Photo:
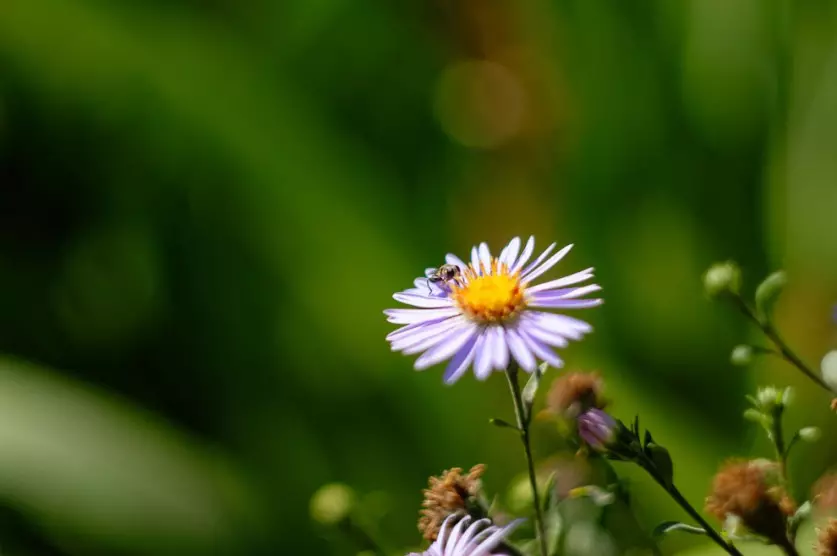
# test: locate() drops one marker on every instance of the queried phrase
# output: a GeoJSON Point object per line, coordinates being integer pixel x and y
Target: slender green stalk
{"type": "Point", "coordinates": [689, 509]}
{"type": "Point", "coordinates": [777, 436]}
{"type": "Point", "coordinates": [523, 428]}
{"type": "Point", "coordinates": [784, 350]}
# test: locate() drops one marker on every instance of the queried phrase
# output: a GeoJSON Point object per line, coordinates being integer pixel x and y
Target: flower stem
{"type": "Point", "coordinates": [523, 426]}
{"type": "Point", "coordinates": [784, 350]}
{"type": "Point", "coordinates": [693, 513]}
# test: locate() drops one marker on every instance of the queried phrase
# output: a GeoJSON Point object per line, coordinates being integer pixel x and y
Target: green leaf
{"type": "Point", "coordinates": [754, 415]}
{"type": "Point", "coordinates": [768, 293]}
{"type": "Point", "coordinates": [667, 527]}
{"type": "Point", "coordinates": [662, 462]}
{"type": "Point", "coordinates": [550, 493]}
{"type": "Point", "coordinates": [531, 389]}
{"type": "Point", "coordinates": [499, 423]}
{"type": "Point", "coordinates": [554, 526]}
{"type": "Point", "coordinates": [803, 513]}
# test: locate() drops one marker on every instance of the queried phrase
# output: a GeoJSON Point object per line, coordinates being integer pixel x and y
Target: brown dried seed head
{"type": "Point", "coordinates": [447, 494]}
{"type": "Point", "coordinates": [571, 393]}
{"type": "Point", "coordinates": [826, 544]}
{"type": "Point", "coordinates": [744, 489]}
{"type": "Point", "coordinates": [824, 493]}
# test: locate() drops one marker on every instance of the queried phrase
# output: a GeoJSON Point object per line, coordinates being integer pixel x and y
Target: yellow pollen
{"type": "Point", "coordinates": [494, 297]}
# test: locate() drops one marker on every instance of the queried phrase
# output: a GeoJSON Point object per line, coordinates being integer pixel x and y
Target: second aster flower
{"type": "Point", "coordinates": [488, 311]}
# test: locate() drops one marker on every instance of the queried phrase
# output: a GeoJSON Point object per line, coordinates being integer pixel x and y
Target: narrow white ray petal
{"type": "Point", "coordinates": [462, 360]}
{"type": "Point", "coordinates": [498, 535]}
{"type": "Point", "coordinates": [580, 276]}
{"type": "Point", "coordinates": [501, 350]}
{"type": "Point", "coordinates": [552, 261]}
{"type": "Point", "coordinates": [423, 300]}
{"type": "Point", "coordinates": [450, 258]}
{"type": "Point", "coordinates": [547, 336]}
{"type": "Point", "coordinates": [425, 338]}
{"type": "Point", "coordinates": [510, 252]}
{"type": "Point", "coordinates": [475, 259]}
{"type": "Point", "coordinates": [565, 293]}
{"type": "Point", "coordinates": [538, 261]}
{"type": "Point", "coordinates": [483, 357]}
{"type": "Point", "coordinates": [527, 252]}
{"type": "Point", "coordinates": [520, 351]}
{"type": "Point", "coordinates": [559, 303]}
{"type": "Point", "coordinates": [408, 316]}
{"type": "Point", "coordinates": [543, 352]}
{"type": "Point", "coordinates": [445, 349]}
{"type": "Point", "coordinates": [410, 328]}
{"type": "Point", "coordinates": [485, 257]}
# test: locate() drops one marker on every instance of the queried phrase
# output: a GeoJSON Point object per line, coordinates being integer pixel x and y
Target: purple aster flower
{"type": "Point", "coordinates": [483, 312]}
{"type": "Point", "coordinates": [597, 429]}
{"type": "Point", "coordinates": [462, 536]}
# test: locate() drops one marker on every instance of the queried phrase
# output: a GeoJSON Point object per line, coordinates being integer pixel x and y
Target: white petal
{"type": "Point", "coordinates": [426, 338]}
{"type": "Point", "coordinates": [541, 351]}
{"type": "Point", "coordinates": [552, 261]}
{"type": "Point", "coordinates": [461, 361]}
{"type": "Point", "coordinates": [527, 252]}
{"type": "Point", "coordinates": [561, 324]}
{"type": "Point", "coordinates": [445, 349]}
{"type": "Point", "coordinates": [565, 281]}
{"type": "Point", "coordinates": [408, 316]}
{"type": "Point", "coordinates": [501, 350]}
{"type": "Point", "coordinates": [482, 358]}
{"type": "Point", "coordinates": [546, 336]}
{"type": "Point", "coordinates": [510, 252]}
{"type": "Point", "coordinates": [423, 300]}
{"type": "Point", "coordinates": [475, 259]}
{"type": "Point", "coordinates": [537, 261]}
{"type": "Point", "coordinates": [485, 257]}
{"type": "Point", "coordinates": [520, 351]}
{"type": "Point", "coordinates": [450, 258]}
{"type": "Point", "coordinates": [496, 538]}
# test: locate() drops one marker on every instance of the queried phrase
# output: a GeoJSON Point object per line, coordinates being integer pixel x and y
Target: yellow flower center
{"type": "Point", "coordinates": [494, 297]}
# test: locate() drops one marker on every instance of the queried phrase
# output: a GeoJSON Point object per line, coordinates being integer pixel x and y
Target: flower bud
{"type": "Point", "coordinates": [722, 278]}
{"type": "Point", "coordinates": [597, 429]}
{"type": "Point", "coordinates": [828, 369]}
{"type": "Point", "coordinates": [742, 355]}
{"type": "Point", "coordinates": [768, 293]}
{"type": "Point", "coordinates": [810, 434]}
{"type": "Point", "coordinates": [332, 503]}
{"type": "Point", "coordinates": [768, 397]}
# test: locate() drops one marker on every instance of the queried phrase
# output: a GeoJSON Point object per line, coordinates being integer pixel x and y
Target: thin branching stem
{"type": "Point", "coordinates": [784, 350]}
{"type": "Point", "coordinates": [523, 426]}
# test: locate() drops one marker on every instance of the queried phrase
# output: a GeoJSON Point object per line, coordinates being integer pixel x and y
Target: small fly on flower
{"type": "Point", "coordinates": [445, 273]}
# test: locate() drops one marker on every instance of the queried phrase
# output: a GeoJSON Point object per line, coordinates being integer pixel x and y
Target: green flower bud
{"type": "Point", "coordinates": [810, 434]}
{"type": "Point", "coordinates": [787, 396]}
{"type": "Point", "coordinates": [828, 369]}
{"type": "Point", "coordinates": [754, 415]}
{"type": "Point", "coordinates": [722, 278]}
{"type": "Point", "coordinates": [768, 397]}
{"type": "Point", "coordinates": [332, 503]}
{"type": "Point", "coordinates": [741, 355]}
{"type": "Point", "coordinates": [768, 293]}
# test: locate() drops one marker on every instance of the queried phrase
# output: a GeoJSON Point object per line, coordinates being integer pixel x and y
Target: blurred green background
{"type": "Point", "coordinates": [206, 205]}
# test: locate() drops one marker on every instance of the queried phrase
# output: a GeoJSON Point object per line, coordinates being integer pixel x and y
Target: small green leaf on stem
{"type": "Point", "coordinates": [667, 527]}
{"type": "Point", "coordinates": [768, 293]}
{"type": "Point", "coordinates": [755, 416]}
{"type": "Point", "coordinates": [803, 513]}
{"type": "Point", "coordinates": [662, 462]}
{"type": "Point", "coordinates": [499, 423]}
{"type": "Point", "coordinates": [531, 389]}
